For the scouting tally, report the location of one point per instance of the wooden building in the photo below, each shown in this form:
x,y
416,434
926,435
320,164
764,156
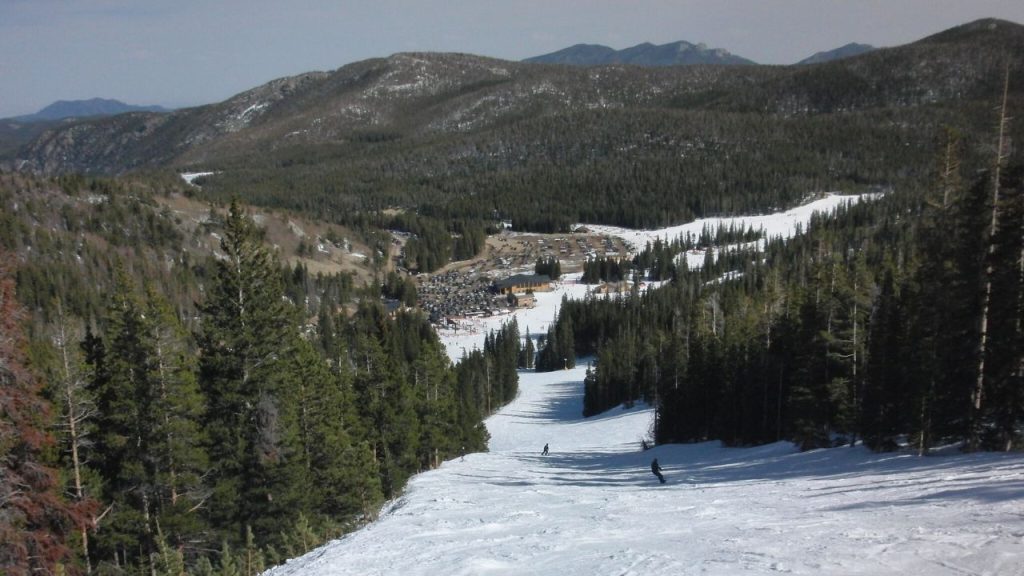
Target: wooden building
x,y
522,283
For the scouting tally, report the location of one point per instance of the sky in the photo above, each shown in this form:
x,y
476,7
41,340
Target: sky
x,y
189,52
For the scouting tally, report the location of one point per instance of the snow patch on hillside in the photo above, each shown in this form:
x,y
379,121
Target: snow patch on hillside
x,y
191,177
777,225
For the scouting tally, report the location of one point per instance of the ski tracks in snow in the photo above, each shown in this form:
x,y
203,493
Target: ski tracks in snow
x,y
592,506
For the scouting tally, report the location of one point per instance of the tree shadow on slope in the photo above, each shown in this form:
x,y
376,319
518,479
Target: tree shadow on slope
x,y
563,402
709,464
987,478
582,469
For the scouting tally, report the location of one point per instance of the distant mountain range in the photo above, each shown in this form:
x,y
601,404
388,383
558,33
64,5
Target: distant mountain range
x,y
445,123
675,53
90,108
851,49
645,54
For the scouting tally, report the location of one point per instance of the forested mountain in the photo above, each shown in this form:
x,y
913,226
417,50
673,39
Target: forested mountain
x,y
20,130
62,109
646,54
465,137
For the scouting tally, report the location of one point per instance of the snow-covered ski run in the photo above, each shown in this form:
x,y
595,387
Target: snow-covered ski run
x,y
593,507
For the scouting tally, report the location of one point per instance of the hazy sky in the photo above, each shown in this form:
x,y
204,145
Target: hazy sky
x,y
187,52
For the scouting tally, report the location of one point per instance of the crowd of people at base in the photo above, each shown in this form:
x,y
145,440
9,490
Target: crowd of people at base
x,y
454,294
655,467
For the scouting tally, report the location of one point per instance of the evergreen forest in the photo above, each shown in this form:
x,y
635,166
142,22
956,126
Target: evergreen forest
x,y
898,323
203,417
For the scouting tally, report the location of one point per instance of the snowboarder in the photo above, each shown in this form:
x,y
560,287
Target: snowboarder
x,y
545,452
643,444
656,468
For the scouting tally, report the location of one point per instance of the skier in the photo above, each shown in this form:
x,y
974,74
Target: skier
x,y
545,452
656,468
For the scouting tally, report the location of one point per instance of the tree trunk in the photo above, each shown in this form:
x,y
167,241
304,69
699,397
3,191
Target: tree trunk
x,y
977,395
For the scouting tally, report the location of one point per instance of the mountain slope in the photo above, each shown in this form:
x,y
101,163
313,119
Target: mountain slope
x,y
645,54
419,96
460,136
593,507
67,232
845,51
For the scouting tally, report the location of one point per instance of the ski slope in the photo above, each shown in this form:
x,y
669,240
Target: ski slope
x,y
592,507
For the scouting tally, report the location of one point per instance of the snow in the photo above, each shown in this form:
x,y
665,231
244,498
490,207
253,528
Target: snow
x,y
593,507
190,177
254,108
777,225
471,332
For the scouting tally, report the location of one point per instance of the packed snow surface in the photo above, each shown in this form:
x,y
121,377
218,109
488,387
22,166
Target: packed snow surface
x,y
779,224
776,225
592,506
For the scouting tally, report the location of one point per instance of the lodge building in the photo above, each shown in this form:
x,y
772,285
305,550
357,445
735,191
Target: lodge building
x,y
522,283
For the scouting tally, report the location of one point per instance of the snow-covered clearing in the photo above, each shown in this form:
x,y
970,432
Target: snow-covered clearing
x,y
780,224
593,507
777,225
190,177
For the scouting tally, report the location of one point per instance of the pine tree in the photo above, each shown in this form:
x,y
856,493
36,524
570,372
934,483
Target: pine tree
x,y
248,332
343,482
847,345
884,406
433,386
179,459
124,430
1004,386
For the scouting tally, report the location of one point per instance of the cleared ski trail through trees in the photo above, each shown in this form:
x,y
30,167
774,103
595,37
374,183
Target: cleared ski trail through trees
x,y
592,507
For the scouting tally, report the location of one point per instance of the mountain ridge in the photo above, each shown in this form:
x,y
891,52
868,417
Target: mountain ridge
x,y
87,108
644,54
844,51
419,94
470,135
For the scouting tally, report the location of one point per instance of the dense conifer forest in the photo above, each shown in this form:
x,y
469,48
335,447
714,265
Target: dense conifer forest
x,y
899,322
191,415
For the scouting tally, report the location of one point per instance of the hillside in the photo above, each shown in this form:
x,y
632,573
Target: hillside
x,y
21,130
69,234
460,136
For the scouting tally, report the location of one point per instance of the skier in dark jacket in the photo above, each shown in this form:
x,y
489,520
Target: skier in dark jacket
x,y
545,452
656,468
